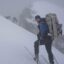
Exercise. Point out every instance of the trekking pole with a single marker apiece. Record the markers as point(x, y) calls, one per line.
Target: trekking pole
point(37, 59)
point(28, 51)
point(38, 53)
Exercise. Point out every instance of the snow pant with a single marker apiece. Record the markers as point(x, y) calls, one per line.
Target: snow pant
point(48, 47)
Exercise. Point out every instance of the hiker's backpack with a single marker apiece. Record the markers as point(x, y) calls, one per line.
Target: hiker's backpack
point(54, 27)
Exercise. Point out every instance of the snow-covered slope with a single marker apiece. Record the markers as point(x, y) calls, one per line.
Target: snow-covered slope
point(14, 42)
point(59, 43)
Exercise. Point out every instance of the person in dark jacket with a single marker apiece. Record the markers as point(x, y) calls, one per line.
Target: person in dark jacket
point(43, 38)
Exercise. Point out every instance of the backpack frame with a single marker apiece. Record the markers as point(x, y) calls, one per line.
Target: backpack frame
point(55, 28)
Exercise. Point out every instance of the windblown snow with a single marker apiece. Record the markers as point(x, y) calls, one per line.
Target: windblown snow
point(14, 42)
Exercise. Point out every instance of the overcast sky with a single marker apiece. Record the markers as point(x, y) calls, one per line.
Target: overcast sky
point(14, 7)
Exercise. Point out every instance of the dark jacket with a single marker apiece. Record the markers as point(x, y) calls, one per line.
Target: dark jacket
point(43, 31)
point(43, 28)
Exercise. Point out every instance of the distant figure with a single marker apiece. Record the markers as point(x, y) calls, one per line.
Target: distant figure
point(43, 38)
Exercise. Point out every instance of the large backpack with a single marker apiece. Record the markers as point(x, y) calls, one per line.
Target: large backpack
point(54, 27)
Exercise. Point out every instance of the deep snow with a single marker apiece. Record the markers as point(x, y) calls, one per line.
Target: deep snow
point(14, 40)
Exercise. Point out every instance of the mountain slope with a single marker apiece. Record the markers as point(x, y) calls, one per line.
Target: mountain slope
point(13, 43)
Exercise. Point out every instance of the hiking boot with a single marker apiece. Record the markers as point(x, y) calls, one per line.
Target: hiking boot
point(52, 63)
point(36, 58)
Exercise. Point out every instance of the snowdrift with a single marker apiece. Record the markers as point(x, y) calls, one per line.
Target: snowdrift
point(16, 46)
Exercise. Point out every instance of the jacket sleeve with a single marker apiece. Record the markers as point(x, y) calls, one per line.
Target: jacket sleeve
point(39, 34)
